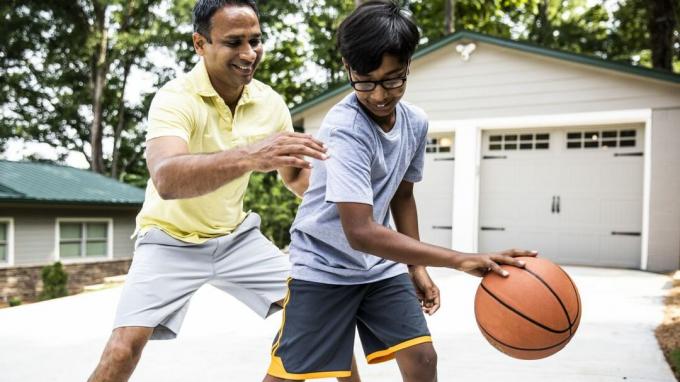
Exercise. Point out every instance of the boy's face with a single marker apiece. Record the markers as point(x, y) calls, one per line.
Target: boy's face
point(381, 102)
point(236, 47)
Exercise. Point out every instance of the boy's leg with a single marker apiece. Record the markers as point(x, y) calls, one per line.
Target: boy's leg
point(121, 354)
point(316, 337)
point(392, 325)
point(418, 363)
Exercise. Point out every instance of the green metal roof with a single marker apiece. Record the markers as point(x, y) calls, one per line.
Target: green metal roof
point(521, 46)
point(50, 183)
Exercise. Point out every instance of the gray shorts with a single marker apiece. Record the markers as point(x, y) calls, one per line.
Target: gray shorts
point(166, 272)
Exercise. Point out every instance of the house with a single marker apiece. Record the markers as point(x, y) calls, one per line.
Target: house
point(52, 213)
point(572, 155)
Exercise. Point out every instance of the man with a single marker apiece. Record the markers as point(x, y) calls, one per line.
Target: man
point(349, 269)
point(208, 130)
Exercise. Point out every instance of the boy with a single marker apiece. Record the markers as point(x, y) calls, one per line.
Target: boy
point(348, 266)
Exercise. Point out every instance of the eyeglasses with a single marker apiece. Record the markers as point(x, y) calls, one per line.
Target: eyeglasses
point(387, 84)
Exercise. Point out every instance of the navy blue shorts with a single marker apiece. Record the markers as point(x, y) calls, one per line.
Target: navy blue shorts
point(316, 338)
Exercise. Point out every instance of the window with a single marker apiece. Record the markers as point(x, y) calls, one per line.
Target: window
point(519, 142)
point(601, 139)
point(439, 145)
point(83, 239)
point(6, 241)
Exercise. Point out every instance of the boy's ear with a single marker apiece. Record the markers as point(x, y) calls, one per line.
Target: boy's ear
point(345, 64)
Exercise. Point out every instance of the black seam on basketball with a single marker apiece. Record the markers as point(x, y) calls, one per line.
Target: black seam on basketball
point(578, 297)
point(523, 349)
point(564, 308)
point(522, 314)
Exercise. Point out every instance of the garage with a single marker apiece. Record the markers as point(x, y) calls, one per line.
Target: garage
point(434, 194)
point(573, 194)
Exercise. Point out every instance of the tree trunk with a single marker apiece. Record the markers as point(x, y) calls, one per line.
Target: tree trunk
point(662, 23)
point(100, 72)
point(541, 27)
point(449, 16)
point(121, 123)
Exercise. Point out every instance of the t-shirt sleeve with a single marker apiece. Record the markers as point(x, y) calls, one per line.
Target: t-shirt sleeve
point(414, 173)
point(348, 168)
point(170, 115)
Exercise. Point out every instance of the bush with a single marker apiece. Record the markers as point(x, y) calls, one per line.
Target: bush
point(14, 301)
point(275, 204)
point(54, 282)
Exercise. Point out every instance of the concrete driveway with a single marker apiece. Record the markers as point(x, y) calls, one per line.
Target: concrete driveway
point(61, 340)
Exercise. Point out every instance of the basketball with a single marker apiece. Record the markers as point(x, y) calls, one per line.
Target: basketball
point(532, 313)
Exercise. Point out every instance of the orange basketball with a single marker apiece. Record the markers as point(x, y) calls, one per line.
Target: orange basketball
point(532, 313)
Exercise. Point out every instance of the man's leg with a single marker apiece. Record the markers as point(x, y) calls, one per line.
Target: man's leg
point(121, 354)
point(418, 363)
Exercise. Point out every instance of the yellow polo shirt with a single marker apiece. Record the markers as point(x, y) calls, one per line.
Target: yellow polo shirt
point(188, 107)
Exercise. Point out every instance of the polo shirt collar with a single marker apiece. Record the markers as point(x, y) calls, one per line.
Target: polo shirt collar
point(204, 87)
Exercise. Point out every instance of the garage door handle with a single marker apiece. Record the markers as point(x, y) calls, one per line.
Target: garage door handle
point(552, 206)
point(495, 157)
point(621, 233)
point(493, 228)
point(442, 227)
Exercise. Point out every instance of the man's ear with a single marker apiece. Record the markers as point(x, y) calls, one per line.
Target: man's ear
point(199, 42)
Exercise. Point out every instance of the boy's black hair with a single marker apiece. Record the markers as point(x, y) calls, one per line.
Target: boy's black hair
point(205, 9)
point(373, 29)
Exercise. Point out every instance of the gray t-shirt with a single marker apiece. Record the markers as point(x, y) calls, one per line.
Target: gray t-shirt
point(366, 165)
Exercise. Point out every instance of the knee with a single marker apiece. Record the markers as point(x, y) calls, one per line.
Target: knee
point(426, 359)
point(123, 350)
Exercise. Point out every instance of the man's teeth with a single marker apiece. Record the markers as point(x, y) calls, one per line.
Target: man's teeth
point(243, 67)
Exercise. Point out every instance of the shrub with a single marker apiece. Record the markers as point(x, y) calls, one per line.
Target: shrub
point(14, 301)
point(54, 282)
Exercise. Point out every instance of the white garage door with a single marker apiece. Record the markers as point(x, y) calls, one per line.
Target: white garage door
point(573, 194)
point(434, 194)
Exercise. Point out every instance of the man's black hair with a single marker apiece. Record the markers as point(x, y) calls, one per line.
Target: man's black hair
point(373, 29)
point(205, 9)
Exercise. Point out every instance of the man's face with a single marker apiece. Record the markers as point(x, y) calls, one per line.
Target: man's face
point(236, 48)
point(381, 102)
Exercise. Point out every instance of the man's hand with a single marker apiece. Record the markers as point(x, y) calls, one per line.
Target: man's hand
point(285, 150)
point(426, 290)
point(480, 264)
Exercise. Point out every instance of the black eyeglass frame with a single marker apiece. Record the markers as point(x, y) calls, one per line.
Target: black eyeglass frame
point(376, 83)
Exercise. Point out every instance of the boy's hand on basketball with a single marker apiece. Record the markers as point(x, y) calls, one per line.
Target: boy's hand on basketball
point(483, 263)
point(426, 290)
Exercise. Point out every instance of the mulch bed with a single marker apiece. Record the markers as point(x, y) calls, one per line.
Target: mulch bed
point(668, 333)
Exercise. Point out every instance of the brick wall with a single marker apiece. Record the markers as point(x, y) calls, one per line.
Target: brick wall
point(25, 281)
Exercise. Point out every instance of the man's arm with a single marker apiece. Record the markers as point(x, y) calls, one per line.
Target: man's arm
point(365, 235)
point(296, 179)
point(178, 174)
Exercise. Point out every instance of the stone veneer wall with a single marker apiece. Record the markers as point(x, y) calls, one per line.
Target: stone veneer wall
point(25, 281)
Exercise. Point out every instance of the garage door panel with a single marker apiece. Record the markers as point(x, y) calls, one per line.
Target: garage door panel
point(567, 197)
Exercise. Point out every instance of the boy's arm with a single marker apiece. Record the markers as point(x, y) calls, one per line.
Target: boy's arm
point(404, 212)
point(365, 235)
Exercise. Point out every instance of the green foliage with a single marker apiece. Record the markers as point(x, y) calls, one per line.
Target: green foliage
point(274, 203)
point(14, 301)
point(54, 280)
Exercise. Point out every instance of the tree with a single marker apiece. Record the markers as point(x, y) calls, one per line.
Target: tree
point(663, 21)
